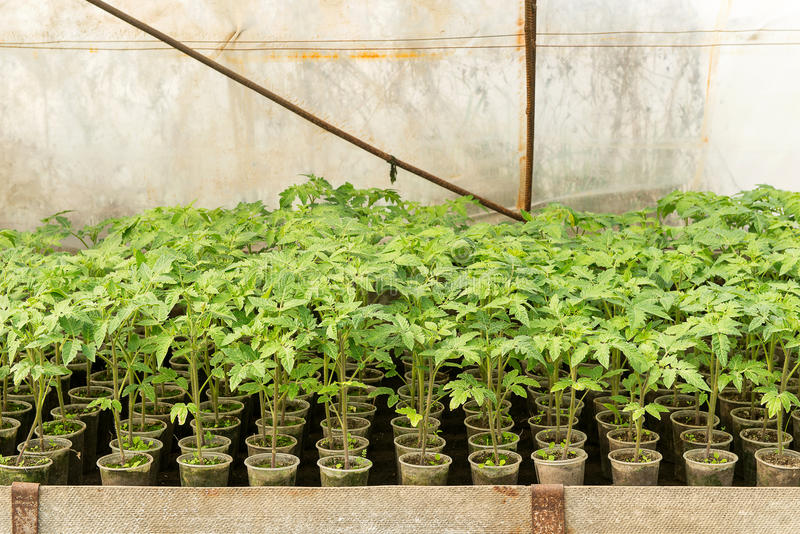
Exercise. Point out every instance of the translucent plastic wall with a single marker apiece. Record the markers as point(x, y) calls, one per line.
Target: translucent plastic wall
point(97, 117)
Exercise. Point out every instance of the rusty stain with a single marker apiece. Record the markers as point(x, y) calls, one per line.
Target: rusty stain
point(508, 491)
point(547, 509)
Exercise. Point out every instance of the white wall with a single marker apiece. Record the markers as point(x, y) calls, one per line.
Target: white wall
point(115, 131)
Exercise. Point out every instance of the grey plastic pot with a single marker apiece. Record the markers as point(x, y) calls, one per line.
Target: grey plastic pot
point(545, 437)
point(156, 434)
point(538, 423)
point(729, 399)
point(325, 448)
point(203, 475)
point(700, 473)
point(721, 440)
point(25, 473)
point(332, 476)
point(407, 443)
point(156, 449)
point(8, 436)
point(569, 472)
point(618, 439)
point(59, 452)
point(231, 432)
point(364, 410)
point(472, 408)
point(23, 412)
point(124, 476)
point(292, 426)
point(414, 471)
point(92, 420)
point(495, 475)
point(626, 473)
point(105, 421)
point(261, 473)
point(542, 403)
point(482, 442)
point(771, 473)
point(255, 446)
point(682, 420)
point(356, 426)
point(745, 417)
point(77, 438)
point(170, 393)
point(401, 425)
point(188, 445)
point(751, 442)
point(605, 423)
point(664, 425)
point(163, 415)
point(226, 407)
point(477, 425)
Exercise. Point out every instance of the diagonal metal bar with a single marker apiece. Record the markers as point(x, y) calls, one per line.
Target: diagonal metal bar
point(263, 91)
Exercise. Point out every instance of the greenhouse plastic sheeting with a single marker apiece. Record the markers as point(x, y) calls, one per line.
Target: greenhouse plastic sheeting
point(98, 117)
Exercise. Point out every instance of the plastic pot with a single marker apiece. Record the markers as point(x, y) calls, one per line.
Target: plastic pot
point(38, 473)
point(332, 475)
point(745, 417)
point(8, 436)
point(545, 437)
point(155, 450)
point(472, 408)
point(356, 426)
point(700, 473)
point(92, 420)
point(204, 475)
point(673, 403)
point(568, 472)
point(77, 438)
point(401, 425)
point(124, 476)
point(618, 439)
point(682, 420)
point(496, 475)
point(260, 471)
point(428, 470)
point(627, 473)
point(326, 447)
point(292, 426)
point(606, 421)
point(148, 421)
point(542, 404)
point(231, 431)
point(58, 450)
point(23, 412)
point(477, 424)
point(407, 443)
point(188, 445)
point(255, 445)
point(729, 399)
point(483, 441)
point(160, 412)
point(777, 470)
point(753, 439)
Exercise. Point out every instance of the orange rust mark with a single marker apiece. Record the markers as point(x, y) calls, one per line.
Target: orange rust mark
point(508, 491)
point(411, 54)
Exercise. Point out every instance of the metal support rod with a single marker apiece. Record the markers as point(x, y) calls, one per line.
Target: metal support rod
point(297, 110)
point(526, 187)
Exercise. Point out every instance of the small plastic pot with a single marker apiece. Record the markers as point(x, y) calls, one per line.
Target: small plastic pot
point(23, 412)
point(430, 470)
point(326, 448)
point(227, 407)
point(777, 471)
point(682, 420)
point(606, 421)
point(673, 403)
point(261, 473)
point(627, 473)
point(188, 445)
point(477, 425)
point(542, 403)
point(401, 425)
point(569, 472)
point(618, 439)
point(124, 476)
point(752, 440)
point(77, 437)
point(472, 408)
point(292, 426)
point(482, 442)
point(332, 475)
point(496, 475)
point(204, 475)
point(155, 434)
point(163, 410)
point(745, 417)
point(255, 446)
point(364, 410)
point(700, 473)
point(155, 450)
point(8, 436)
point(729, 399)
point(545, 437)
point(25, 473)
point(407, 443)
point(231, 432)
point(356, 426)
point(58, 451)
point(92, 420)
point(538, 423)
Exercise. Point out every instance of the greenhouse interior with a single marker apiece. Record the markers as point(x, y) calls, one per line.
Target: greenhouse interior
point(399, 266)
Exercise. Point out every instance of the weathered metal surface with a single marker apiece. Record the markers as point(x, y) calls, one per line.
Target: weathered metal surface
point(379, 510)
point(547, 509)
point(24, 508)
point(681, 510)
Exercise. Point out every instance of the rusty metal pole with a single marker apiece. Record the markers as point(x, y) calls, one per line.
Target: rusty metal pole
point(263, 91)
point(526, 185)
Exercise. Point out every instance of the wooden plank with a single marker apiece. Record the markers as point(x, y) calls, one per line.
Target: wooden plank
point(378, 509)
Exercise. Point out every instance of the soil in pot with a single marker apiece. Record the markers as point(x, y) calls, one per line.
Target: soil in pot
point(289, 425)
point(30, 469)
point(207, 471)
point(58, 450)
point(151, 428)
point(363, 410)
point(227, 425)
point(714, 469)
point(508, 441)
point(477, 424)
point(8, 436)
point(333, 474)
point(430, 469)
point(779, 470)
point(620, 438)
point(553, 468)
point(151, 446)
point(747, 417)
point(261, 471)
point(629, 470)
point(500, 471)
point(402, 425)
point(472, 408)
point(134, 471)
point(753, 439)
point(356, 446)
point(90, 416)
point(543, 405)
point(681, 421)
point(74, 430)
point(211, 443)
point(257, 444)
point(356, 426)
point(538, 422)
point(558, 438)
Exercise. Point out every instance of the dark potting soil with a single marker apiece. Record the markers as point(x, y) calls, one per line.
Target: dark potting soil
point(27, 461)
point(35, 446)
point(700, 437)
point(556, 453)
point(644, 457)
point(205, 460)
point(764, 436)
point(129, 462)
point(6, 424)
point(138, 427)
point(12, 406)
point(283, 441)
point(783, 460)
point(486, 440)
point(691, 420)
point(94, 394)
